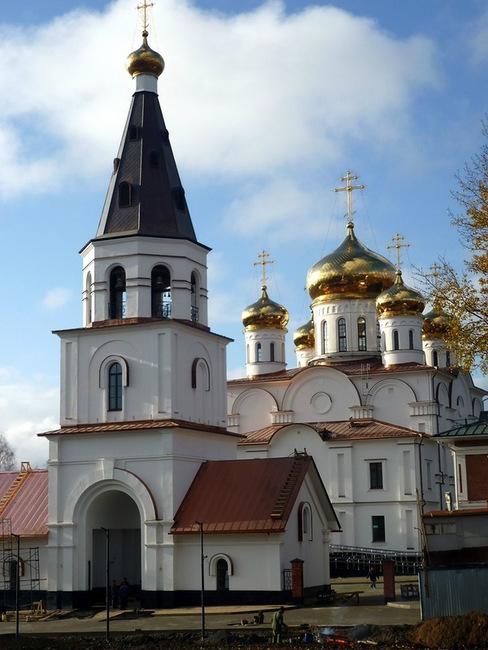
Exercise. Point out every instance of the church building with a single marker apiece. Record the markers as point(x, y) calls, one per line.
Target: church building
point(143, 459)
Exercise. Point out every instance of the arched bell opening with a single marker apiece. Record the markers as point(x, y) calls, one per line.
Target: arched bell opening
point(118, 294)
point(160, 292)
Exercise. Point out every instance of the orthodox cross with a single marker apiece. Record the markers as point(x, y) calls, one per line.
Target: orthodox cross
point(349, 188)
point(398, 242)
point(435, 274)
point(263, 262)
point(143, 8)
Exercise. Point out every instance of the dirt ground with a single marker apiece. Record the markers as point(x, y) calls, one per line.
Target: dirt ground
point(371, 636)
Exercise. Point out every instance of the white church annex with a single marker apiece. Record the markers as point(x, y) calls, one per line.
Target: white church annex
point(374, 382)
point(143, 450)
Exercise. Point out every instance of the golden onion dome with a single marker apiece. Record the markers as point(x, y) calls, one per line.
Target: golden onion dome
point(145, 60)
point(304, 336)
point(436, 324)
point(265, 313)
point(351, 271)
point(399, 300)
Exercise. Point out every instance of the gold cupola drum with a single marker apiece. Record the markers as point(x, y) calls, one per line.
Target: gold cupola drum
point(399, 300)
point(265, 330)
point(304, 342)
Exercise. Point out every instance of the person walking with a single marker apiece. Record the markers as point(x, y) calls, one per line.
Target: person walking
point(277, 625)
point(373, 577)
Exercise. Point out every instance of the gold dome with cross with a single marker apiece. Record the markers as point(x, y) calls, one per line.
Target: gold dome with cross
point(264, 313)
point(145, 60)
point(352, 271)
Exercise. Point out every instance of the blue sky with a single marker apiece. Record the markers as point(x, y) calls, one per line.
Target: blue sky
point(267, 105)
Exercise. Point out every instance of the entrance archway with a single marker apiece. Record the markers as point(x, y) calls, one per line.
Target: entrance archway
point(117, 512)
point(222, 575)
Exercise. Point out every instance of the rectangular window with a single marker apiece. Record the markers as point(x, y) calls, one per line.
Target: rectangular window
point(378, 527)
point(460, 477)
point(376, 475)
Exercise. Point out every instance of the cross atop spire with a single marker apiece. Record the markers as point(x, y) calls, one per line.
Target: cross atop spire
point(349, 188)
point(143, 8)
point(435, 274)
point(398, 242)
point(263, 262)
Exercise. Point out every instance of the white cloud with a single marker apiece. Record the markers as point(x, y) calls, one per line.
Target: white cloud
point(28, 405)
point(56, 298)
point(246, 94)
point(281, 209)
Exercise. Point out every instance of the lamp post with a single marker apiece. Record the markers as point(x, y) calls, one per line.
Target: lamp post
point(202, 575)
point(107, 581)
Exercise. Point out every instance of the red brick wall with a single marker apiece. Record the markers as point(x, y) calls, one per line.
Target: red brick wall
point(477, 475)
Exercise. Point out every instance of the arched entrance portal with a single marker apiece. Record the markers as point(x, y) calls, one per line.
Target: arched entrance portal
point(118, 513)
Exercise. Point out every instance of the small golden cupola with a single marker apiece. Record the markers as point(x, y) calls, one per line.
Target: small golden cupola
point(265, 314)
point(145, 61)
point(265, 330)
point(436, 324)
point(399, 300)
point(399, 311)
point(304, 342)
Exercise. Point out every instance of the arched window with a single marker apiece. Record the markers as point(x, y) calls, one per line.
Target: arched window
point(324, 337)
point(305, 524)
point(125, 195)
point(247, 354)
point(118, 296)
point(283, 352)
point(362, 347)
point(396, 340)
point(258, 352)
point(342, 335)
point(200, 374)
point(222, 571)
point(160, 292)
point(115, 387)
point(448, 358)
point(383, 342)
point(271, 351)
point(194, 298)
point(435, 358)
point(410, 339)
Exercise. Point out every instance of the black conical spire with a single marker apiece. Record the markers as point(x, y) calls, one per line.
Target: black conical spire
point(145, 195)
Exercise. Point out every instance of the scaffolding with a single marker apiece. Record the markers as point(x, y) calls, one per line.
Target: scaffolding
point(29, 570)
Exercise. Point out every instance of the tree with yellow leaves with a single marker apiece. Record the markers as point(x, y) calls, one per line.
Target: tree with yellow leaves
point(463, 296)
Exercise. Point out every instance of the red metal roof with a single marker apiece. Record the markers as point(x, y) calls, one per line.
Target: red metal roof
point(347, 367)
point(341, 430)
point(463, 512)
point(134, 425)
point(242, 496)
point(27, 509)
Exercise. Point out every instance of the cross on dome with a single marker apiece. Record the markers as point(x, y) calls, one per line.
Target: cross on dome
point(349, 188)
point(398, 242)
point(263, 262)
point(435, 274)
point(143, 8)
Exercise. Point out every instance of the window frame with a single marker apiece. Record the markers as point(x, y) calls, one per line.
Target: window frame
point(378, 537)
point(272, 351)
point(259, 352)
point(410, 340)
point(395, 340)
point(118, 296)
point(341, 334)
point(376, 478)
point(324, 335)
point(362, 335)
point(161, 299)
point(115, 391)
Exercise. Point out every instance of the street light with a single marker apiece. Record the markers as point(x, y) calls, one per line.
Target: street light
point(202, 574)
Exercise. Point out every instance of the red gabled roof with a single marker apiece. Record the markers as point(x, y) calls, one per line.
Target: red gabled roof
point(27, 509)
point(340, 430)
point(242, 496)
point(135, 425)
